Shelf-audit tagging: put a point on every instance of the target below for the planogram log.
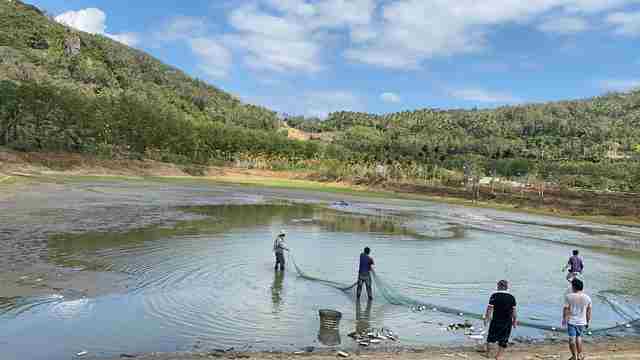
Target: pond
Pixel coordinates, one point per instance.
(195, 269)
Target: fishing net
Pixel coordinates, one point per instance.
(334, 284)
(394, 297)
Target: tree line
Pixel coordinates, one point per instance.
(591, 143)
(46, 117)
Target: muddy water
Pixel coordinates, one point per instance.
(193, 267)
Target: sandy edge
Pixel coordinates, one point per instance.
(623, 348)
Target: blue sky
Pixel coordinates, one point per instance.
(312, 57)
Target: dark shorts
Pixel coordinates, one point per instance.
(499, 332)
(279, 258)
(365, 277)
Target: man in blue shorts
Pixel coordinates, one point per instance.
(576, 316)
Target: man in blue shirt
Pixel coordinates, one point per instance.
(364, 273)
(575, 266)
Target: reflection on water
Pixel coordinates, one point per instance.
(276, 291)
(329, 333)
(329, 336)
(363, 317)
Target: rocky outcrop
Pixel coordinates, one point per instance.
(72, 45)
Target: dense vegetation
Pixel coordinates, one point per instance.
(64, 90)
(590, 143)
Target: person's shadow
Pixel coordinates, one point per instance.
(363, 317)
(276, 291)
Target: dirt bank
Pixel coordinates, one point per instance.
(599, 207)
(618, 349)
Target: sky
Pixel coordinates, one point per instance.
(313, 57)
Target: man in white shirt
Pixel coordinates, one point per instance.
(576, 316)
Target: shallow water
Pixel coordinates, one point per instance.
(198, 268)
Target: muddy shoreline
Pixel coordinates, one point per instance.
(594, 206)
(621, 348)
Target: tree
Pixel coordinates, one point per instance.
(8, 110)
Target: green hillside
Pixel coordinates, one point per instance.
(62, 89)
(592, 143)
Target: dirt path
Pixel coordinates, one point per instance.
(620, 349)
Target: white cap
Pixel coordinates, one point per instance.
(282, 233)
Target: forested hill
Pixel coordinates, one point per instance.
(62, 89)
(34, 47)
(606, 127)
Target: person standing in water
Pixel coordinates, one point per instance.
(575, 265)
(364, 273)
(501, 311)
(576, 316)
(279, 247)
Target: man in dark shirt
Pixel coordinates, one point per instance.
(575, 265)
(364, 273)
(502, 312)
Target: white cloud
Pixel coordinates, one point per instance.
(89, 20)
(129, 39)
(183, 27)
(413, 31)
(627, 24)
(360, 34)
(483, 96)
(292, 35)
(594, 6)
(390, 97)
(273, 42)
(564, 25)
(215, 60)
(620, 84)
(92, 20)
(296, 7)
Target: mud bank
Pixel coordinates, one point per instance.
(614, 349)
(600, 207)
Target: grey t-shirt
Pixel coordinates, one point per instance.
(279, 246)
(578, 304)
